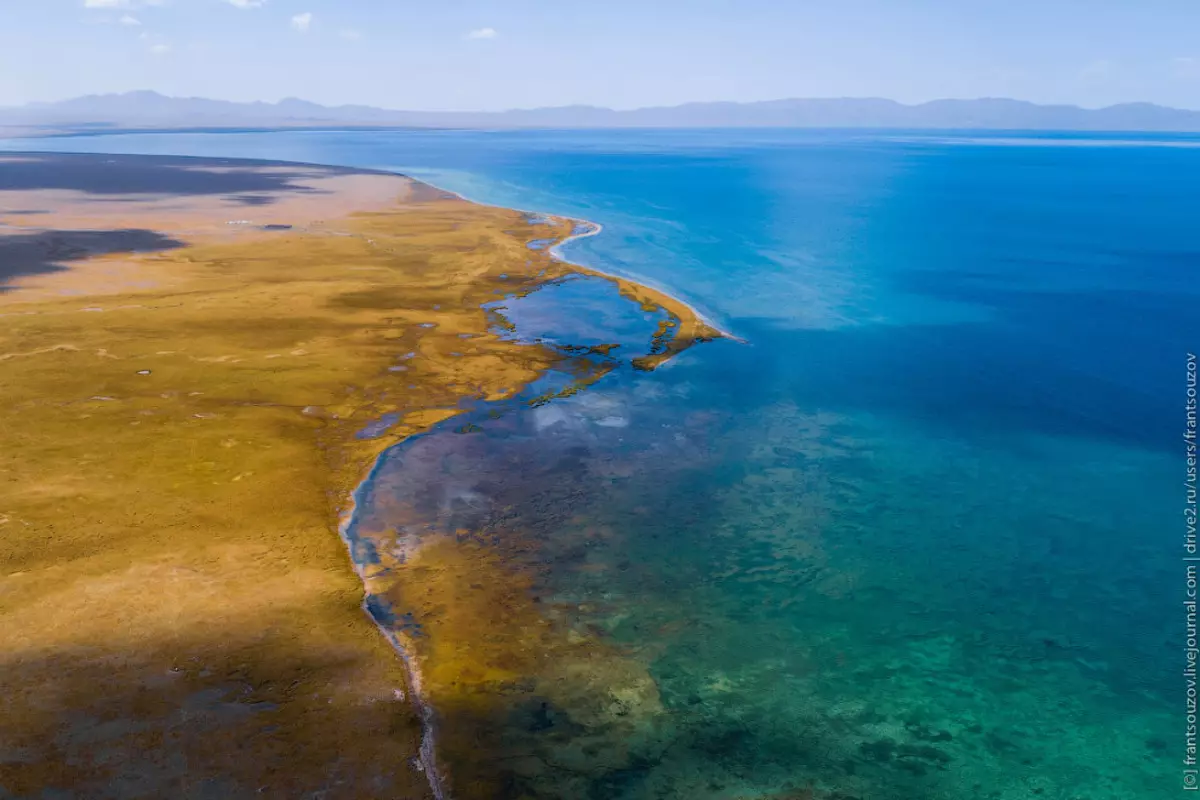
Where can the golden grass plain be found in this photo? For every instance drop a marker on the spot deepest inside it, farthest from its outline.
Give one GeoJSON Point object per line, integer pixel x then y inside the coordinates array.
{"type": "Point", "coordinates": [178, 616]}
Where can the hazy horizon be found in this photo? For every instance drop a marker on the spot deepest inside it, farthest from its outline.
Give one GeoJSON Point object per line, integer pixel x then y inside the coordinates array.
{"type": "Point", "coordinates": [819, 98]}
{"type": "Point", "coordinates": [484, 55]}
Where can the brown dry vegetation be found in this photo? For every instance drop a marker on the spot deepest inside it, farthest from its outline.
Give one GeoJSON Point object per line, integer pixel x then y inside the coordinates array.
{"type": "Point", "coordinates": [178, 617]}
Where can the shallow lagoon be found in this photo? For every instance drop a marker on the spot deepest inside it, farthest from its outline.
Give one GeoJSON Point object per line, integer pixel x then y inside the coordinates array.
{"type": "Point", "coordinates": [918, 536]}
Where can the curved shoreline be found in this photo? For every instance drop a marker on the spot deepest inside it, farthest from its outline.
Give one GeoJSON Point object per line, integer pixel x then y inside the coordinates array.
{"type": "Point", "coordinates": [426, 753]}
{"type": "Point", "coordinates": [698, 329]}
{"type": "Point", "coordinates": [594, 229]}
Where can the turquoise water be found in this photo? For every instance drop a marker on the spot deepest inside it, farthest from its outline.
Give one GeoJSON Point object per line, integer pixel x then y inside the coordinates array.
{"type": "Point", "coordinates": [918, 535]}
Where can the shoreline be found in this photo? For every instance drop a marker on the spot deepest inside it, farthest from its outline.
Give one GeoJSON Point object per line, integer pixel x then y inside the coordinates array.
{"type": "Point", "coordinates": [202, 320]}
{"type": "Point", "coordinates": [426, 753]}
{"type": "Point", "coordinates": [594, 229]}
{"type": "Point", "coordinates": [349, 516]}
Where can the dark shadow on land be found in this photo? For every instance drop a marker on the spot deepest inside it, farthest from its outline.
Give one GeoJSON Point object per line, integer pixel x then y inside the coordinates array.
{"type": "Point", "coordinates": [43, 252]}
{"type": "Point", "coordinates": [190, 718]}
{"type": "Point", "coordinates": [194, 718]}
{"type": "Point", "coordinates": [167, 175]}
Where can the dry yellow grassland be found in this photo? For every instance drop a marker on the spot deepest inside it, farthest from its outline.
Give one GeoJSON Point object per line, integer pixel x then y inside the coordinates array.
{"type": "Point", "coordinates": [178, 616]}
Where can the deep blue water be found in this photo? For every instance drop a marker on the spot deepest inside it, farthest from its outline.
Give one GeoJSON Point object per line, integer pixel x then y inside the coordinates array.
{"type": "Point", "coordinates": [918, 536]}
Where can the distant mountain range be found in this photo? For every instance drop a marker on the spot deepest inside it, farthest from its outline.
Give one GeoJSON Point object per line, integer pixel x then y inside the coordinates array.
{"type": "Point", "coordinates": [152, 110]}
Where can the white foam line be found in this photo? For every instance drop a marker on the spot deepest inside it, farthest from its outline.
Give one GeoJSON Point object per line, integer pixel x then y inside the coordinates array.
{"type": "Point", "coordinates": [427, 753]}
{"type": "Point", "coordinates": [594, 229]}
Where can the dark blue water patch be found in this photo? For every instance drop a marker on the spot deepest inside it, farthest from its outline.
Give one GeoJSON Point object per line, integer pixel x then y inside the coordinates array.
{"type": "Point", "coordinates": [379, 427]}
{"type": "Point", "coordinates": [381, 610]}
{"type": "Point", "coordinates": [577, 312]}
{"type": "Point", "coordinates": [384, 614]}
{"type": "Point", "coordinates": [407, 623]}
{"type": "Point", "coordinates": [980, 381]}
{"type": "Point", "coordinates": [276, 227]}
{"type": "Point", "coordinates": [538, 219]}
{"type": "Point", "coordinates": [540, 244]}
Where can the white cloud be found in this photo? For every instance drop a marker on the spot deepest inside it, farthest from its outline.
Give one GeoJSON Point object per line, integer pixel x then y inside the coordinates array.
{"type": "Point", "coordinates": [130, 21]}
{"type": "Point", "coordinates": [160, 49]}
{"type": "Point", "coordinates": [351, 35]}
{"type": "Point", "coordinates": [482, 33]}
{"type": "Point", "coordinates": [302, 22]}
{"type": "Point", "coordinates": [247, 3]}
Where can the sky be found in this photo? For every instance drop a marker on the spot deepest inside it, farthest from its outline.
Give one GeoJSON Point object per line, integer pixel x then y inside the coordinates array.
{"type": "Point", "coordinates": [499, 54]}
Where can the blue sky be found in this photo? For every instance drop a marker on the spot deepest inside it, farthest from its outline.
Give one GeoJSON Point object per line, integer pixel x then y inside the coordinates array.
{"type": "Point", "coordinates": [496, 54]}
